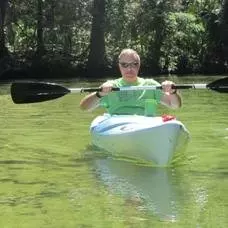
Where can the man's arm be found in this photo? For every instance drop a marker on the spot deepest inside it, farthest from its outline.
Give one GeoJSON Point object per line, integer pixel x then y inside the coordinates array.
{"type": "Point", "coordinates": [171, 96]}
{"type": "Point", "coordinates": [172, 100]}
{"type": "Point", "coordinates": [90, 102]}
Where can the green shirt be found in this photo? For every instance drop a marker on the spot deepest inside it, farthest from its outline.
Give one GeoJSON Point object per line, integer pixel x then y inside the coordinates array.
{"type": "Point", "coordinates": [138, 102]}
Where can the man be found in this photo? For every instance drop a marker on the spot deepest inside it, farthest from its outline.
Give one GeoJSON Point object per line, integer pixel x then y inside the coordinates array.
{"type": "Point", "coordinates": [139, 102]}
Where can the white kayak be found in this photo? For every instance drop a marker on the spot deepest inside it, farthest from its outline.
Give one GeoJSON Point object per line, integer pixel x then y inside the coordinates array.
{"type": "Point", "coordinates": [150, 139]}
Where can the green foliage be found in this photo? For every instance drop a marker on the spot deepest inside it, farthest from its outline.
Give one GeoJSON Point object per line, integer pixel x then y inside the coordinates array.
{"type": "Point", "coordinates": [178, 36]}
{"type": "Point", "coordinates": [21, 37]}
{"type": "Point", "coordinates": [121, 26]}
{"type": "Point", "coordinates": [184, 41]}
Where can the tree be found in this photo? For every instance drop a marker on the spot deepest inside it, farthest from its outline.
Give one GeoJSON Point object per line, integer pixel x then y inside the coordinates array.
{"type": "Point", "coordinates": [3, 7]}
{"type": "Point", "coordinates": [96, 58]}
{"type": "Point", "coordinates": [184, 44]}
{"type": "Point", "coordinates": [40, 39]}
{"type": "Point", "coordinates": [224, 30]}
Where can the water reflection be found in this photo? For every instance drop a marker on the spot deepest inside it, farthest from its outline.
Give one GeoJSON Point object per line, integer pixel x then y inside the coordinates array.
{"type": "Point", "coordinates": [154, 189]}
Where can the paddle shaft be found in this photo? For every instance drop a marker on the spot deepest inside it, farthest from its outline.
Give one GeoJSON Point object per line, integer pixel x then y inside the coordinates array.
{"type": "Point", "coordinates": [128, 88]}
{"type": "Point", "coordinates": [31, 92]}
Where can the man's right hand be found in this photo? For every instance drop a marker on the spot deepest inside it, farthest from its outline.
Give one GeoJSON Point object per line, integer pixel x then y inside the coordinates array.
{"type": "Point", "coordinates": [106, 88]}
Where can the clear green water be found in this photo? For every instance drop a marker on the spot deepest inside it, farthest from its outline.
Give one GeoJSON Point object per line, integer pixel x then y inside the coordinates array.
{"type": "Point", "coordinates": [50, 176]}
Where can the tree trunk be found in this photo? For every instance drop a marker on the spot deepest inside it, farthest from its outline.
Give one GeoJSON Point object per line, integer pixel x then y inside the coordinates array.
{"type": "Point", "coordinates": [224, 30]}
{"type": "Point", "coordinates": [3, 49]}
{"type": "Point", "coordinates": [40, 40]}
{"type": "Point", "coordinates": [96, 58]}
{"type": "Point", "coordinates": [156, 45]}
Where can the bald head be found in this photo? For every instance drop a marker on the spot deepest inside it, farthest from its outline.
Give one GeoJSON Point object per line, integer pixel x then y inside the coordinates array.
{"type": "Point", "coordinates": [129, 53]}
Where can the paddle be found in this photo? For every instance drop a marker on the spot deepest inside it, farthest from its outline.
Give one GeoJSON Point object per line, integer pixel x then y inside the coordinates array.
{"type": "Point", "coordinates": [31, 92]}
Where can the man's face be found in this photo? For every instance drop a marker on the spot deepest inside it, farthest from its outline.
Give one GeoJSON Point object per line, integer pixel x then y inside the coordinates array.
{"type": "Point", "coordinates": [129, 65]}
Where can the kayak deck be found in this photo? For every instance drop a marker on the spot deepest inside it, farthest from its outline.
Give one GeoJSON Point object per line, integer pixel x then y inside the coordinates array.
{"type": "Point", "coordinates": [145, 138]}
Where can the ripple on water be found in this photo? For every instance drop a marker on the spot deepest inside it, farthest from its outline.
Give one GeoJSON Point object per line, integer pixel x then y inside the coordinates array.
{"type": "Point", "coordinates": [226, 137]}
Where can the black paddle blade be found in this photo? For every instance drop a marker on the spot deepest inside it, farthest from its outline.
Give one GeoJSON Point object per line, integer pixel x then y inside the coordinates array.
{"type": "Point", "coordinates": [31, 92]}
{"type": "Point", "coordinates": [220, 85]}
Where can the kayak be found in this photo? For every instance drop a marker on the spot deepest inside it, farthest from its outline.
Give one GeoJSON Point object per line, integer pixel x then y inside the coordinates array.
{"type": "Point", "coordinates": [150, 139]}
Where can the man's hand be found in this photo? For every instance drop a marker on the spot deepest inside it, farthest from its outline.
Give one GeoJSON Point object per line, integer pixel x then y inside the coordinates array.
{"type": "Point", "coordinates": [168, 87]}
{"type": "Point", "coordinates": [106, 88]}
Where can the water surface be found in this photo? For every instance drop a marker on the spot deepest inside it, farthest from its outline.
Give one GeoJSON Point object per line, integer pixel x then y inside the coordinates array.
{"type": "Point", "coordinates": [51, 177]}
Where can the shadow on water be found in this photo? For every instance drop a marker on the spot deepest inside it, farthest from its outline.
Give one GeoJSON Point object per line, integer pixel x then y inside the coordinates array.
{"type": "Point", "coordinates": [153, 189]}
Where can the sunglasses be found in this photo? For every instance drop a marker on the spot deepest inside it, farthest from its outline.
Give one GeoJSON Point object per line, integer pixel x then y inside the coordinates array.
{"type": "Point", "coordinates": [126, 65]}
